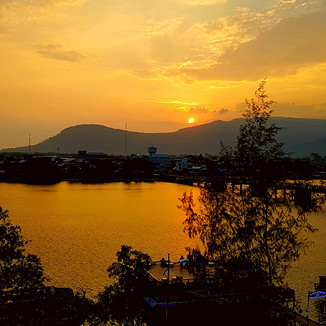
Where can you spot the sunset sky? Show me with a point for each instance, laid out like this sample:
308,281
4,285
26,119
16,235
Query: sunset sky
155,64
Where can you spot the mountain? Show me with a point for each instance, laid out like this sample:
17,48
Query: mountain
301,136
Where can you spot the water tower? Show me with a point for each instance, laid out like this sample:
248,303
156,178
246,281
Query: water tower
152,150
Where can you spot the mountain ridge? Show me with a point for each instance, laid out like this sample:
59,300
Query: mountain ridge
300,135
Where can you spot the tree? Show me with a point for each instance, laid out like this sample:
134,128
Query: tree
18,269
257,149
251,231
122,303
242,232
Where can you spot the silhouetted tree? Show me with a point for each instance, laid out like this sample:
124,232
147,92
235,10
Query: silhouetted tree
257,151
122,303
255,229
246,232
18,269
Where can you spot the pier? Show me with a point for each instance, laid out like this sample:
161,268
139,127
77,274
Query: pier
301,191
177,294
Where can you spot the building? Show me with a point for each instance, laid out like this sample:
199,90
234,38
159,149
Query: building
161,162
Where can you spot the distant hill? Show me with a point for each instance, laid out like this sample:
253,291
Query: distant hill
301,136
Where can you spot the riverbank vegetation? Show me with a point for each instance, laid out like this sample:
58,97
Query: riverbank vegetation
19,270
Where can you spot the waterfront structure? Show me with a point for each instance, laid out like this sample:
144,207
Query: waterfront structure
197,299
162,162
181,164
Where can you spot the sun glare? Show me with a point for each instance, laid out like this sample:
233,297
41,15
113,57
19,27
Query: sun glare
191,120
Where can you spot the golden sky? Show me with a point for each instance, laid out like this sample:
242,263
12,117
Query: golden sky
155,64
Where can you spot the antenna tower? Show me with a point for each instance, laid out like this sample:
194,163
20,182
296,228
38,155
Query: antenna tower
29,144
126,130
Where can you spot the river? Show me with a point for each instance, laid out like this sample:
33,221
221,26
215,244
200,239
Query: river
76,229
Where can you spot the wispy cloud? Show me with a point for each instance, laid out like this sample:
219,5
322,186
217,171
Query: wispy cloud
196,110
15,13
241,107
233,47
197,3
202,113
163,27
227,84
283,50
299,110
285,2
202,110
222,111
57,52
170,102
144,74
64,3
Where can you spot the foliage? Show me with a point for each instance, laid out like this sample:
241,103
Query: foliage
18,269
257,149
83,306
244,231
122,303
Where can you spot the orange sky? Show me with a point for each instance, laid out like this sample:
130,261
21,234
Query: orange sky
155,64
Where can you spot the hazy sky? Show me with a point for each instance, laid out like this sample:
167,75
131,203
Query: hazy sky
155,64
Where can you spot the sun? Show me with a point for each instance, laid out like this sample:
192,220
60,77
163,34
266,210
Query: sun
191,120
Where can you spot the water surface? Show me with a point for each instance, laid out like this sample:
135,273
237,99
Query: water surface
76,228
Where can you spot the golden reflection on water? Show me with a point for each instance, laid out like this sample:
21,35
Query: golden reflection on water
76,229
306,271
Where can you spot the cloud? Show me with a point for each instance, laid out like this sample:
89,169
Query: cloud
163,27
233,47
299,110
241,107
201,113
292,109
199,110
35,3
144,74
197,3
227,84
15,13
198,46
171,102
222,111
57,52
284,50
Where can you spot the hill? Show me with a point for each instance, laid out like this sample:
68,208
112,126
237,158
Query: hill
301,136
